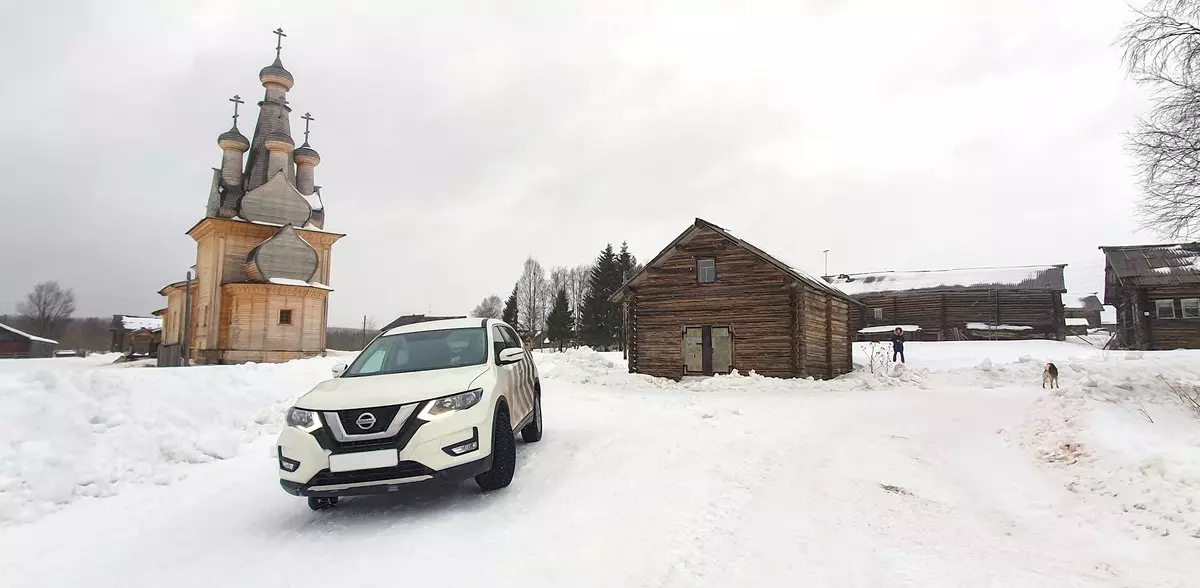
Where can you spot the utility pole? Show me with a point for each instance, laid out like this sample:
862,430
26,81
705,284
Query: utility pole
364,332
826,252
186,344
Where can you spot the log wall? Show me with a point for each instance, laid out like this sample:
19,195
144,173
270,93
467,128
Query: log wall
1176,333
943,315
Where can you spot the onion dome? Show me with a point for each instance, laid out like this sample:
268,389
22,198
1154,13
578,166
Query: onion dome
276,73
278,137
305,154
233,139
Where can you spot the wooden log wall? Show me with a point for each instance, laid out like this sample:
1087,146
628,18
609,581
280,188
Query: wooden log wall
943,313
1176,333
749,295
839,341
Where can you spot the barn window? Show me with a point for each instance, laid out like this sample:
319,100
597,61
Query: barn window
285,317
706,271
1164,309
1190,307
878,314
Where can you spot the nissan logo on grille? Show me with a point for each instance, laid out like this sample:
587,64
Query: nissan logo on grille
365,421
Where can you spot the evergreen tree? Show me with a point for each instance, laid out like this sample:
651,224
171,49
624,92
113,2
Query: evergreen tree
627,265
510,309
560,323
601,318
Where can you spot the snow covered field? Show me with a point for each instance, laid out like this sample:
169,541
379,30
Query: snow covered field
956,470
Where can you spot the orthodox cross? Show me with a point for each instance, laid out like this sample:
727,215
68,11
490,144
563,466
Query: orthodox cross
307,119
236,100
279,43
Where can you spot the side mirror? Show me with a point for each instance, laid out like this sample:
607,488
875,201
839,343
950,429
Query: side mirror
339,369
512,355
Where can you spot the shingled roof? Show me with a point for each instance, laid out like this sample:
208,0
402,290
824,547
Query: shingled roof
1141,266
1030,277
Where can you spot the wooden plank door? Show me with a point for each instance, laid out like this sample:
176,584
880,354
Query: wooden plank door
721,350
693,350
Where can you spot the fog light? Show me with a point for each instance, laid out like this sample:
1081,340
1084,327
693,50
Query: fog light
466,446
287,465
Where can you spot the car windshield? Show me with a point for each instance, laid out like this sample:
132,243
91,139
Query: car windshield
421,351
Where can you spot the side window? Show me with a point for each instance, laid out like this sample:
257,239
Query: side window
706,271
511,337
1190,307
498,343
1164,309
878,314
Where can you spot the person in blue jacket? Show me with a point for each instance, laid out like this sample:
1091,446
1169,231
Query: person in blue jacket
898,344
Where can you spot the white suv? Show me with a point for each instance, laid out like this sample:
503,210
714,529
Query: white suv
436,400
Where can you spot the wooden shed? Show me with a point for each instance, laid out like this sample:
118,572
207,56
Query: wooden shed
1083,306
136,336
961,304
15,343
1156,290
710,303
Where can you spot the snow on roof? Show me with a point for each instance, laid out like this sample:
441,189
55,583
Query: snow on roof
295,282
888,328
133,323
1155,265
27,335
1032,277
1077,322
1084,301
987,327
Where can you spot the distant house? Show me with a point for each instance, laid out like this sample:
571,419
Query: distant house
710,303
1083,306
15,343
959,304
1156,291
136,336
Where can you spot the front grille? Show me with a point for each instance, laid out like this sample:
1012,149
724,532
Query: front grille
383,418
405,469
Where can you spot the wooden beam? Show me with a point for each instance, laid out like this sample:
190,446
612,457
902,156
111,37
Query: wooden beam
802,313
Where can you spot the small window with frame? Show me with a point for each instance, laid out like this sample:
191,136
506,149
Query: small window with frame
1164,309
285,316
1190,307
878,314
706,271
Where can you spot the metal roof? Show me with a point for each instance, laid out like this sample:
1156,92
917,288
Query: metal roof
1031,277
1140,266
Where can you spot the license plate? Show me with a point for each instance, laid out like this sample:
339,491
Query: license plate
364,460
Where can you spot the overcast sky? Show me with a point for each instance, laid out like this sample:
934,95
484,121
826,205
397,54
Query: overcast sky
458,138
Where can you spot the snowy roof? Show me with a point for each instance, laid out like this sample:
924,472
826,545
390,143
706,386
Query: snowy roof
1030,277
295,282
133,323
1077,322
700,223
1140,266
888,328
27,335
987,327
1076,301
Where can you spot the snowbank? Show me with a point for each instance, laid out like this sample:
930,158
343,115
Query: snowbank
70,428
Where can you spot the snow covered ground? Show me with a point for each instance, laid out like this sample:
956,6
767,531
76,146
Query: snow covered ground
955,470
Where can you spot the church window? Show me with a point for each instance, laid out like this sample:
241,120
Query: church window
285,317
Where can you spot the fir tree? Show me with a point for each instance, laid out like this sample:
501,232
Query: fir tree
510,309
601,318
560,323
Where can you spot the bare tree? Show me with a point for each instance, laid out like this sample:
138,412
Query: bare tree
1162,51
47,308
531,296
490,307
577,289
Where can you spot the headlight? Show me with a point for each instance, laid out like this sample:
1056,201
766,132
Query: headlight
462,401
305,420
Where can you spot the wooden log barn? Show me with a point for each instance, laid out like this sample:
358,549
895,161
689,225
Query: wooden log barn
1156,291
710,303
959,304
19,344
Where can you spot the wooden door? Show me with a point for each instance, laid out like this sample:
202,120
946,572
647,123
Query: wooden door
693,350
707,350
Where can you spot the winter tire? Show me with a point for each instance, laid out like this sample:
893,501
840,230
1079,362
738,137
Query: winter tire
504,454
532,433
322,502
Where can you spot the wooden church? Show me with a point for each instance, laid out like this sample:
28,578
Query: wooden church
260,291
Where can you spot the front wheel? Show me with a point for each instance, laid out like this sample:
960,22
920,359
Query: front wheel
504,453
532,433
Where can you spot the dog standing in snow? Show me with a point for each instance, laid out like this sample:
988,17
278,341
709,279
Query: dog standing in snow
1050,375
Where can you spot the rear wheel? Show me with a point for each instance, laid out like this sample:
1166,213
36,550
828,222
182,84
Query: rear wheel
504,453
322,502
532,433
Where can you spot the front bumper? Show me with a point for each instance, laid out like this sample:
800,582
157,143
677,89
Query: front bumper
420,445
